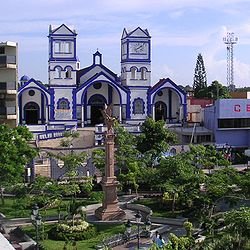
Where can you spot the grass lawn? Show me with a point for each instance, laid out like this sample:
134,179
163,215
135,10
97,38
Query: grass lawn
11,210
104,231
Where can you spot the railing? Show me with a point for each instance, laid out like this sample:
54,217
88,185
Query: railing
120,239
7,110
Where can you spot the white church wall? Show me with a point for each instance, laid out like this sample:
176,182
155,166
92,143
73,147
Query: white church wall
67,113
138,93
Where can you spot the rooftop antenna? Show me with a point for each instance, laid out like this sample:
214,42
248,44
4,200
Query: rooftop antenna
230,40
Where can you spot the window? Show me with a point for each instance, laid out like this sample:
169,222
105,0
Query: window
138,106
68,72
57,47
234,123
67,47
97,85
2,50
58,72
31,92
159,93
143,73
133,73
63,104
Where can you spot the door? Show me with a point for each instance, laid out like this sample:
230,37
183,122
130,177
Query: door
160,111
31,113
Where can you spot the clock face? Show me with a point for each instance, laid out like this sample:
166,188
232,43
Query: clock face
138,48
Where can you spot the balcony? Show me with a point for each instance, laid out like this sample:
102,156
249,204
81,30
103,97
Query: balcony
7,111
7,61
8,88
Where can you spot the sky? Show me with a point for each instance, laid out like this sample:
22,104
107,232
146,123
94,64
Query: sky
180,29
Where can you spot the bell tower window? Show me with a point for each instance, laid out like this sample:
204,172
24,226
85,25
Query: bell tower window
143,73
68,73
67,47
133,73
58,72
57,47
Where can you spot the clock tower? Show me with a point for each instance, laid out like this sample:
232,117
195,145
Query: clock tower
136,71
135,57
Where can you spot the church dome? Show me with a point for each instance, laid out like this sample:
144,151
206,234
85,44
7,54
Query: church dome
24,78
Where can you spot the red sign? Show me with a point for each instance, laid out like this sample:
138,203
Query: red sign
239,108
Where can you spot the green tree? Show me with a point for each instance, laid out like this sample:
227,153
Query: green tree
200,78
217,91
206,157
126,151
155,138
98,159
177,176
15,153
238,222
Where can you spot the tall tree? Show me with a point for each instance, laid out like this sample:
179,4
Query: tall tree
15,153
216,91
200,78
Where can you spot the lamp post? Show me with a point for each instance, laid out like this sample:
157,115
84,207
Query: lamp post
147,224
128,226
36,219
138,220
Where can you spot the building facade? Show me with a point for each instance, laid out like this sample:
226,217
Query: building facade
229,119
8,83
75,97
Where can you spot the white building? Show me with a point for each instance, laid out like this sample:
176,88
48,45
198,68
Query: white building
75,97
8,83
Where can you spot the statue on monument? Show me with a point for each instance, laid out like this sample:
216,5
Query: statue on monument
109,120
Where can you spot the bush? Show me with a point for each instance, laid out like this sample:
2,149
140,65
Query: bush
96,196
81,231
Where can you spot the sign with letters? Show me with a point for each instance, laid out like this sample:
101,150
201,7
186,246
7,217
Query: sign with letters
234,108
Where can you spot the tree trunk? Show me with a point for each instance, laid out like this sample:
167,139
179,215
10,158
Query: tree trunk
173,204
2,197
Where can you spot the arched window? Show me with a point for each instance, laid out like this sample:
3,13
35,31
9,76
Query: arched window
143,73
63,103
133,73
68,72
138,106
58,72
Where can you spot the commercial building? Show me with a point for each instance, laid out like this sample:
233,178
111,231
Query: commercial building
229,119
8,83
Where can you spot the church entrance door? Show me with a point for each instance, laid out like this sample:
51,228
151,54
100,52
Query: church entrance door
31,113
97,103
160,111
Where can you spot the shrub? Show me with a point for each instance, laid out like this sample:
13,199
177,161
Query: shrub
96,196
81,231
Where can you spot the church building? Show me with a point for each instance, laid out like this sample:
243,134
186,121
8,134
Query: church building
74,97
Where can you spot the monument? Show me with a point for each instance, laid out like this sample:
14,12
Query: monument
110,209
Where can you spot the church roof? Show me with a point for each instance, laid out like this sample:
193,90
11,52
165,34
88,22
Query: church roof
83,71
138,32
62,30
162,82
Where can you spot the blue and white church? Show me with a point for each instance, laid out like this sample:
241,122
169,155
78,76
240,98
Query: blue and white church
75,96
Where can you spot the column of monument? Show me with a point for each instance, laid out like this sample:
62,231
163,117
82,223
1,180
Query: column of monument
110,209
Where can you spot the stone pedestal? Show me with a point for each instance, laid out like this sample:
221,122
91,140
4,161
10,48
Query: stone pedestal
110,209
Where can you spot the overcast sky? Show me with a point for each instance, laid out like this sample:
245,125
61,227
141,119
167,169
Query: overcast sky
180,29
